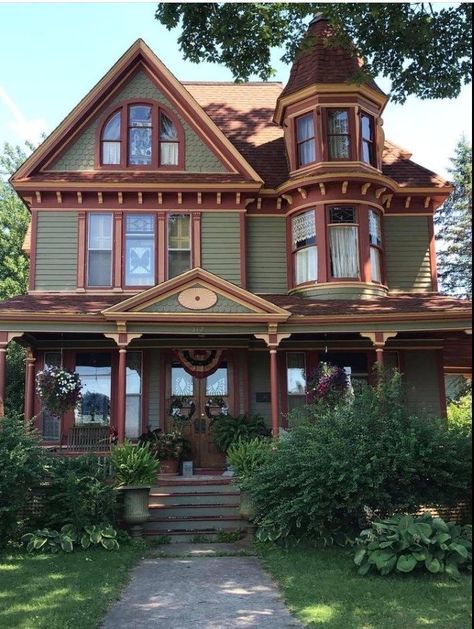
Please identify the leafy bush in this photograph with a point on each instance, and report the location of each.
(170, 445)
(369, 454)
(227, 429)
(21, 467)
(75, 493)
(405, 543)
(52, 541)
(460, 413)
(246, 456)
(134, 465)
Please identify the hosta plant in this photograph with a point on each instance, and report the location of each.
(405, 543)
(97, 535)
(50, 541)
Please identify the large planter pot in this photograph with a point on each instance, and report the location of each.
(169, 466)
(135, 508)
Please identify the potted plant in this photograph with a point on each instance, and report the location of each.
(170, 448)
(135, 468)
(59, 390)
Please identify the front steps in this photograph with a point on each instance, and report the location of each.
(194, 508)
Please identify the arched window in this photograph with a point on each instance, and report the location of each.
(142, 135)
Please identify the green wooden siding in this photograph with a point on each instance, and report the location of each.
(80, 155)
(422, 381)
(153, 373)
(407, 253)
(266, 254)
(220, 244)
(56, 251)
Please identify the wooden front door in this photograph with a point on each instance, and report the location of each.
(200, 400)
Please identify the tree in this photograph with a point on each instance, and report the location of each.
(454, 223)
(424, 51)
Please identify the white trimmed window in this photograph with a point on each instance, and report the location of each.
(99, 259)
(304, 248)
(179, 244)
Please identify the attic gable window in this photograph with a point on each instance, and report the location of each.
(305, 140)
(142, 136)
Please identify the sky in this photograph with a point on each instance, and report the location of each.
(52, 54)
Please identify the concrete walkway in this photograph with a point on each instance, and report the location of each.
(199, 592)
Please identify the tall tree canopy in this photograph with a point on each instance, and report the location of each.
(424, 50)
(454, 225)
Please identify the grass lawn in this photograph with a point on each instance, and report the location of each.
(322, 588)
(64, 590)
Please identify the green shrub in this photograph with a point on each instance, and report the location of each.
(227, 429)
(21, 467)
(369, 455)
(246, 456)
(170, 445)
(405, 543)
(75, 493)
(52, 541)
(460, 413)
(134, 465)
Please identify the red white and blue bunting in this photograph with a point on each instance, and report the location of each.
(199, 363)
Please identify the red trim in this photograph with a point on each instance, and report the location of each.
(117, 249)
(121, 396)
(164, 363)
(274, 392)
(236, 369)
(30, 386)
(244, 371)
(161, 247)
(3, 377)
(282, 369)
(196, 239)
(364, 243)
(33, 241)
(433, 264)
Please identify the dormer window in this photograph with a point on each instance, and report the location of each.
(338, 132)
(142, 135)
(305, 140)
(368, 139)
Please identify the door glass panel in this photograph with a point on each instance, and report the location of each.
(181, 381)
(217, 383)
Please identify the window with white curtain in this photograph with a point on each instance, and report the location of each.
(305, 139)
(343, 242)
(169, 144)
(111, 140)
(375, 239)
(99, 261)
(339, 139)
(139, 250)
(304, 248)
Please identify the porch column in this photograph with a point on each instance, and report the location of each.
(3, 377)
(29, 384)
(121, 394)
(379, 339)
(274, 391)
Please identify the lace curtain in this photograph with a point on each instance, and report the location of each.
(344, 251)
(306, 265)
(111, 152)
(303, 229)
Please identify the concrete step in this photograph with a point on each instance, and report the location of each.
(163, 526)
(192, 498)
(160, 511)
(187, 537)
(179, 487)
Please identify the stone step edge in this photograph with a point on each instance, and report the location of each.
(183, 532)
(169, 482)
(199, 518)
(193, 506)
(156, 494)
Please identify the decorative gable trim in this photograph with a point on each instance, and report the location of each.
(139, 56)
(199, 296)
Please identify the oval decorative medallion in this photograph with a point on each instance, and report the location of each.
(197, 298)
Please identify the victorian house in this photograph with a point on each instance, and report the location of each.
(198, 248)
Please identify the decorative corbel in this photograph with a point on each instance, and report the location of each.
(79, 197)
(100, 198)
(273, 338)
(237, 198)
(365, 187)
(344, 187)
(59, 197)
(303, 193)
(322, 188)
(288, 198)
(379, 192)
(407, 202)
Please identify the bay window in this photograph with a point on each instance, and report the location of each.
(296, 379)
(139, 250)
(95, 373)
(375, 239)
(179, 244)
(338, 134)
(99, 258)
(305, 140)
(343, 242)
(367, 134)
(304, 249)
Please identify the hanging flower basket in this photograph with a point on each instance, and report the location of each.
(59, 389)
(328, 383)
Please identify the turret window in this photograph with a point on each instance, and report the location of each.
(339, 139)
(304, 249)
(305, 140)
(368, 140)
(343, 243)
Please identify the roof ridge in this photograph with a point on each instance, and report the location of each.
(256, 83)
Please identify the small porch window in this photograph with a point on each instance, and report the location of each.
(95, 372)
(296, 379)
(343, 243)
(179, 244)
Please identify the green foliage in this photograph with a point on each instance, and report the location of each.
(404, 543)
(428, 52)
(15, 389)
(366, 456)
(134, 465)
(460, 413)
(21, 467)
(170, 445)
(227, 429)
(75, 493)
(228, 537)
(247, 456)
(68, 538)
(453, 221)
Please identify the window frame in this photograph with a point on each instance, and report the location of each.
(124, 108)
(350, 135)
(295, 250)
(297, 143)
(167, 247)
(356, 224)
(373, 143)
(379, 247)
(124, 250)
(289, 395)
(112, 251)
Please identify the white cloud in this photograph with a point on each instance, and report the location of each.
(24, 128)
